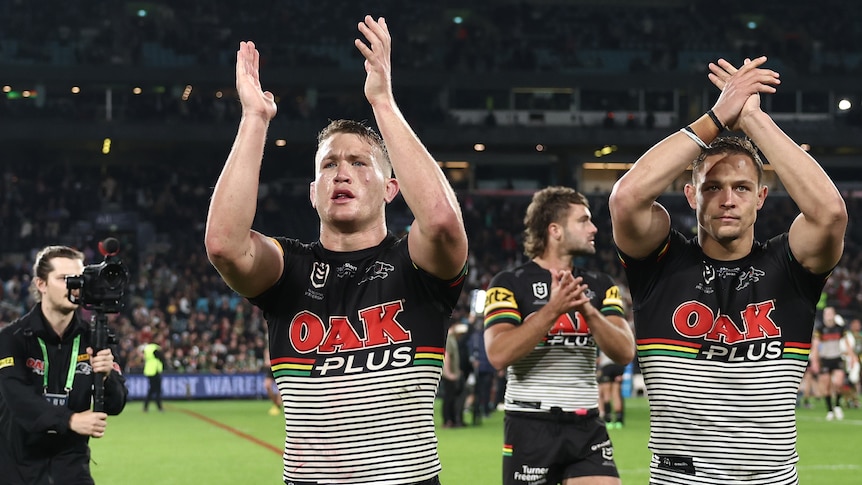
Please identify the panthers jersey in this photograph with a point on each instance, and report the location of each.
(356, 344)
(831, 341)
(561, 370)
(723, 346)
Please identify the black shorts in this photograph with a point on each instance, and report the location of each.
(610, 372)
(829, 365)
(550, 447)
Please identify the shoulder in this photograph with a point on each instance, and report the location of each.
(23, 324)
(294, 246)
(522, 272)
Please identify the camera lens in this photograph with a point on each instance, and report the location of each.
(74, 282)
(114, 276)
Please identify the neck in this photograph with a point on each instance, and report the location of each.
(550, 261)
(336, 240)
(58, 321)
(730, 250)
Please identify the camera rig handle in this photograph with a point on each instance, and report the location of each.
(99, 334)
(100, 288)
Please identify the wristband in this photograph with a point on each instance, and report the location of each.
(691, 134)
(718, 123)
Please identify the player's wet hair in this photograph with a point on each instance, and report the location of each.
(727, 145)
(363, 131)
(551, 204)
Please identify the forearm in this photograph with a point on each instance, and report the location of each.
(805, 181)
(662, 164)
(505, 347)
(612, 334)
(234, 201)
(423, 184)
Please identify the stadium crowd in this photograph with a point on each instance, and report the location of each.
(466, 35)
(157, 211)
(177, 299)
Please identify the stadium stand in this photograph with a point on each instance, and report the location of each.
(514, 75)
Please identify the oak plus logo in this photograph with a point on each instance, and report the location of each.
(569, 331)
(751, 338)
(36, 365)
(375, 328)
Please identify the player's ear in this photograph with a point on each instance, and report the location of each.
(761, 195)
(391, 189)
(312, 191)
(691, 195)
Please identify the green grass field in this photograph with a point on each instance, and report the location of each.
(237, 442)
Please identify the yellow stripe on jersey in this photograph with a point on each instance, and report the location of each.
(281, 249)
(612, 297)
(498, 298)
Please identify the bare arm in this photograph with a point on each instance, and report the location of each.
(506, 344)
(247, 261)
(640, 224)
(612, 334)
(438, 240)
(817, 234)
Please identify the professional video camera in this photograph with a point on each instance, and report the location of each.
(101, 285)
(100, 289)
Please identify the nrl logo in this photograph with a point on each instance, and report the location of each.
(540, 290)
(319, 273)
(708, 273)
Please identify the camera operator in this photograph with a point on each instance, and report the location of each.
(47, 374)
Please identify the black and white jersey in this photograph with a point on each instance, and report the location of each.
(831, 341)
(356, 344)
(723, 346)
(561, 369)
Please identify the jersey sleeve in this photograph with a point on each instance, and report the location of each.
(642, 274)
(611, 300)
(501, 306)
(807, 284)
(444, 293)
(268, 301)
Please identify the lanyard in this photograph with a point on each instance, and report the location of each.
(72, 363)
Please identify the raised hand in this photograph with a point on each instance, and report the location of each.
(378, 64)
(740, 88)
(255, 101)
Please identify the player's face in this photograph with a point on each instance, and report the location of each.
(350, 190)
(579, 232)
(53, 289)
(829, 317)
(726, 196)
